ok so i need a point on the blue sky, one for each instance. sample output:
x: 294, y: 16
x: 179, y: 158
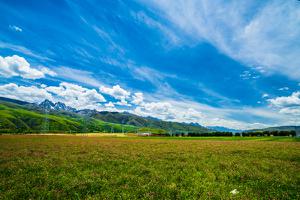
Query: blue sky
x: 224, y: 63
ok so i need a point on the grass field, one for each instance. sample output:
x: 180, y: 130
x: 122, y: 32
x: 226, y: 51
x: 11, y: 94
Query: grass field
x: 80, y: 167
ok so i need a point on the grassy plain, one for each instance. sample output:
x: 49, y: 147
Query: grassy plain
x: 80, y: 167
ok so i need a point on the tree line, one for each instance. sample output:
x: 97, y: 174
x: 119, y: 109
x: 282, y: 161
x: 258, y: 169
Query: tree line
x: 230, y: 134
x: 269, y: 133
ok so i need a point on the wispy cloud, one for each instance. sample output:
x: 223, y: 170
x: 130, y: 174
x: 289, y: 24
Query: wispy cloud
x: 23, y: 50
x: 109, y: 39
x: 283, y: 88
x: 170, y: 35
x: 80, y: 76
x: 15, y: 28
x: 264, y: 37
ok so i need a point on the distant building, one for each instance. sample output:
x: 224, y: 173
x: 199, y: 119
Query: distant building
x: 144, y: 134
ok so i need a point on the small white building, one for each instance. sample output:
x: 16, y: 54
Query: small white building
x: 144, y: 134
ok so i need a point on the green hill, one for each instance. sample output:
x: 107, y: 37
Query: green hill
x: 146, y: 122
x: 16, y: 118
x: 22, y: 117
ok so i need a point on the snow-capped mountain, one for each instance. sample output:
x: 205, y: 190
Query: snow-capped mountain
x: 59, y: 106
x: 47, y: 105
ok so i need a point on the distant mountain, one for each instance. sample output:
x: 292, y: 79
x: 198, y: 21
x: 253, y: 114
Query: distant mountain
x: 150, y: 122
x: 59, y: 106
x: 19, y: 116
x: 224, y: 129
x: 47, y: 105
x: 13, y: 101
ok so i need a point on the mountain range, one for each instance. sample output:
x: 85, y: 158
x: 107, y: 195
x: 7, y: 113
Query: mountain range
x: 224, y: 129
x: 23, y: 117
x: 20, y: 116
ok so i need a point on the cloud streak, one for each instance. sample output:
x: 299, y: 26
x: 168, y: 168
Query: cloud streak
x: 15, y: 28
x: 264, y: 38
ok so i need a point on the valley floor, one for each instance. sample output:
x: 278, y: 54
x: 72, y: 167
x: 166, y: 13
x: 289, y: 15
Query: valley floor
x: 80, y: 167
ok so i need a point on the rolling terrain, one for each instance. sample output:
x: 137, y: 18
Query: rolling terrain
x: 48, y: 117
x: 80, y: 167
x: 22, y: 117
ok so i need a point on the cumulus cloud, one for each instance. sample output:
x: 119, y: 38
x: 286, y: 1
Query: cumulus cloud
x: 109, y: 104
x: 137, y: 98
x: 30, y: 94
x: 71, y: 94
x: 166, y: 109
x: 17, y: 66
x: 190, y: 111
x: 286, y: 101
x: 263, y: 36
x: 116, y: 92
x: 123, y: 102
x: 287, y: 104
x: 76, y: 96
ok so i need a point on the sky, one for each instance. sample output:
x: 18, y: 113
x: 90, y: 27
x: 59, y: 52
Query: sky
x: 217, y: 63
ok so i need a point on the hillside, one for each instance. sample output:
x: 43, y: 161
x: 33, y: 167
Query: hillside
x: 16, y: 118
x: 22, y: 117
x: 224, y: 129
x: 149, y: 122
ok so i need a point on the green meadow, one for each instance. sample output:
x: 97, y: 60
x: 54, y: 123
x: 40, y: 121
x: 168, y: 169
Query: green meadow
x: 82, y: 167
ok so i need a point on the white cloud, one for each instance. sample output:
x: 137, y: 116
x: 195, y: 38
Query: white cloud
x: 286, y: 101
x: 167, y: 109
x: 123, y: 102
x: 246, y: 75
x: 294, y: 111
x: 265, y: 95
x: 15, y: 28
x: 17, y: 66
x: 144, y: 18
x: 232, y: 117
x: 46, y: 70
x: 261, y: 35
x: 137, y: 98
x: 72, y: 95
x: 108, y: 38
x: 43, y: 86
x: 116, y: 92
x: 76, y: 96
x: 80, y: 76
x: 23, y: 50
x: 161, y: 110
x: 287, y: 104
x: 145, y: 73
x: 109, y: 104
x: 283, y: 88
x: 30, y: 94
